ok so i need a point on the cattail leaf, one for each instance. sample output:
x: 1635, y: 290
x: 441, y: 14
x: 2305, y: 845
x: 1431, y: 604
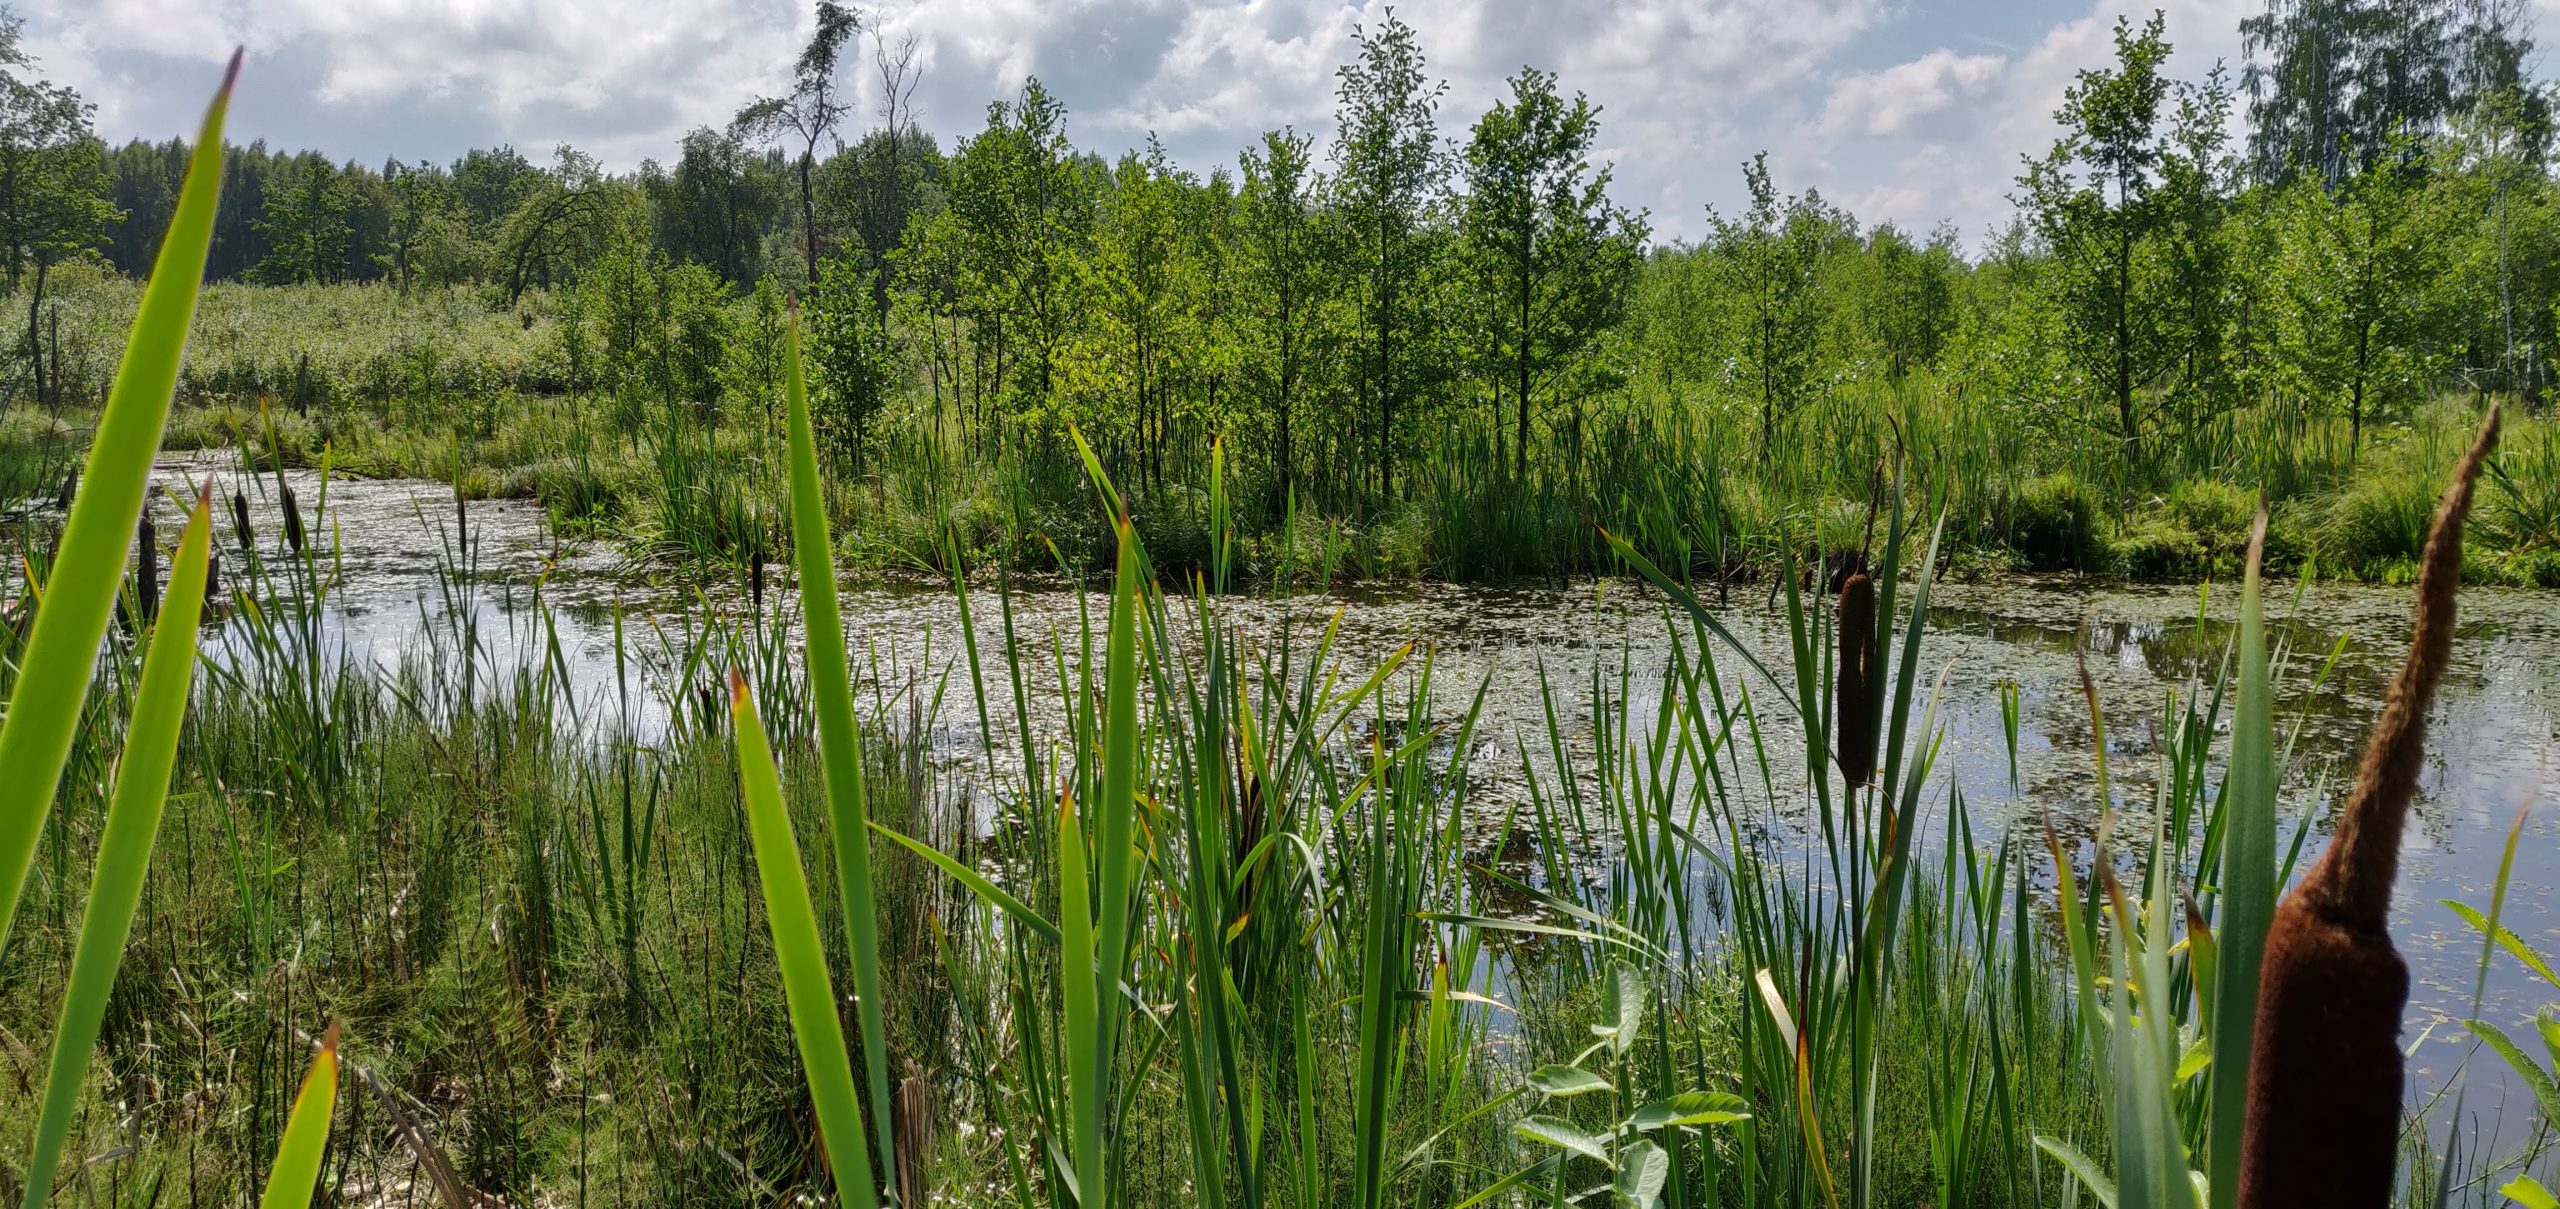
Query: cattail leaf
x: 61, y: 653
x: 124, y: 849
x: 306, y: 1132
x: 839, y: 733
x: 808, y: 992
x: 2248, y: 882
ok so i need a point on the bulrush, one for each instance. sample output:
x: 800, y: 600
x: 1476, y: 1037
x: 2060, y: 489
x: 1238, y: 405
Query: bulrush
x: 240, y: 519
x: 2325, y: 1069
x: 292, y: 520
x: 1853, y: 693
x: 146, y: 576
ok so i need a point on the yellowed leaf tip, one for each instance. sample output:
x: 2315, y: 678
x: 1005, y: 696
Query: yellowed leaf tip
x: 737, y: 689
x: 231, y: 74
x: 329, y: 1040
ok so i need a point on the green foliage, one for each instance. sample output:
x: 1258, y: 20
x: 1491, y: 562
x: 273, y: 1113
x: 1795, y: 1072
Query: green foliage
x: 2055, y: 524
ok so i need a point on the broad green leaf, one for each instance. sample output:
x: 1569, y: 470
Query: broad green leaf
x: 2546, y: 1093
x: 2529, y: 1192
x: 1556, y: 1081
x: 1626, y: 1004
x: 1561, y: 1134
x: 1689, y: 1108
x: 1643, y: 1168
x: 2081, y: 1167
x: 2507, y: 939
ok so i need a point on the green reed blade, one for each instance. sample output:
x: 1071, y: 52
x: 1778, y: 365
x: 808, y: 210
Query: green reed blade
x: 807, y: 991
x: 61, y: 653
x: 124, y: 850
x: 306, y: 1132
x: 839, y: 733
x: 977, y: 883
x: 2248, y: 884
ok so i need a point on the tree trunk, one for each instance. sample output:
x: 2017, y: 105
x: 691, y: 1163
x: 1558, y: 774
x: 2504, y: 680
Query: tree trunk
x: 809, y: 213
x: 46, y: 389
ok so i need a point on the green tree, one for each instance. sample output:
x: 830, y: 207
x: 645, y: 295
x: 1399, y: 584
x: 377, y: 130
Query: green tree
x: 1022, y: 206
x: 305, y: 224
x: 1283, y: 285
x: 2349, y: 290
x: 1772, y: 263
x: 809, y: 113
x: 53, y: 185
x: 1388, y: 171
x: 1549, y: 253
x: 2096, y: 202
x: 853, y: 372
x: 2331, y: 81
x: 713, y: 208
x: 573, y: 217
x: 430, y: 238
x: 1908, y: 307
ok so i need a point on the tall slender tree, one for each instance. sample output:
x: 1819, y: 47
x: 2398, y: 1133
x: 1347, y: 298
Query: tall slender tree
x: 809, y: 113
x: 1549, y: 253
x: 1282, y: 280
x: 1388, y: 171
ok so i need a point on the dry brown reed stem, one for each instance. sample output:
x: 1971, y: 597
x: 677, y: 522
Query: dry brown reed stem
x: 1853, y: 694
x: 2325, y: 1070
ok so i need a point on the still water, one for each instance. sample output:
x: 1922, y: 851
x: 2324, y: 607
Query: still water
x: 2493, y: 749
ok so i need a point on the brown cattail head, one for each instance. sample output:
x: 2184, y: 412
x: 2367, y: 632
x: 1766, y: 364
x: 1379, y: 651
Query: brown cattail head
x: 1853, y: 691
x: 2352, y: 881
x: 292, y: 520
x: 2325, y: 1066
x: 146, y: 579
x: 240, y: 519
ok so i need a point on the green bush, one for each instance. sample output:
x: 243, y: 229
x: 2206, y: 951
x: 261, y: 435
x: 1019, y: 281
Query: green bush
x: 2200, y: 529
x: 2054, y: 524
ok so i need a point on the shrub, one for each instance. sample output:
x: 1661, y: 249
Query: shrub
x: 2053, y: 524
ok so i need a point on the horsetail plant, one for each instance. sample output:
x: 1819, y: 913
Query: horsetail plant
x: 61, y: 653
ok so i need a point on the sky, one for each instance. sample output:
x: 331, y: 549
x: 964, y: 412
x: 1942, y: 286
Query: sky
x: 1915, y: 111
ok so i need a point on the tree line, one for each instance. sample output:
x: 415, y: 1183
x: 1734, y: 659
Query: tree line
x: 2388, y: 229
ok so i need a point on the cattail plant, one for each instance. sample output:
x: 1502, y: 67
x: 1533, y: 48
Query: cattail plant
x: 1853, y: 696
x: 146, y: 573
x: 240, y: 527
x: 292, y: 520
x: 2325, y: 1072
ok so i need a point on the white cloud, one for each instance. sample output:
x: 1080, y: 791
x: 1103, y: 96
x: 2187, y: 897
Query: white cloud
x: 1892, y: 107
x: 1893, y: 102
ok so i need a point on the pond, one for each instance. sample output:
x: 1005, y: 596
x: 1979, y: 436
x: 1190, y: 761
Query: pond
x: 2492, y: 750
